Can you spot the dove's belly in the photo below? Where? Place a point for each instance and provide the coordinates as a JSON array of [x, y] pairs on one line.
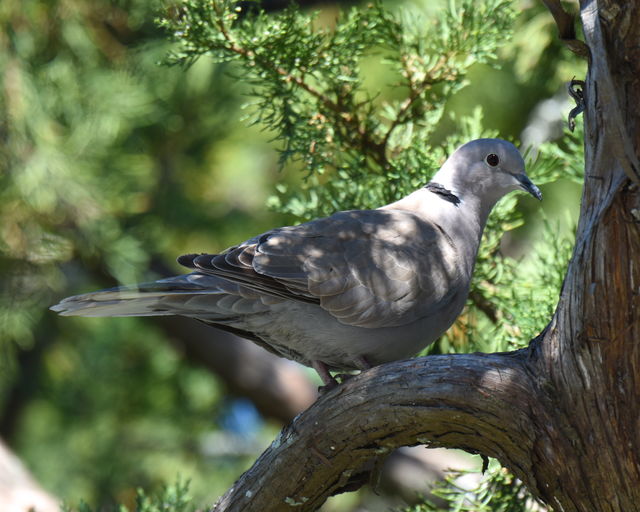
[[305, 332]]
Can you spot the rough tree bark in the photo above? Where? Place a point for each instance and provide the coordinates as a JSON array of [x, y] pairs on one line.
[[563, 414]]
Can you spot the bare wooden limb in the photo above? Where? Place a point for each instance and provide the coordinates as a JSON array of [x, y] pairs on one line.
[[566, 28], [478, 402]]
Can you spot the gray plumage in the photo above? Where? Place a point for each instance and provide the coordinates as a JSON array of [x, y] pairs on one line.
[[358, 288]]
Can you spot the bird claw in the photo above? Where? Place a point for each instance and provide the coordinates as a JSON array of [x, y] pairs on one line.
[[323, 390]]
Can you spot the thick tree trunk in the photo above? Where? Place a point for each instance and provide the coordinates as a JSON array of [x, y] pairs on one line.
[[564, 414]]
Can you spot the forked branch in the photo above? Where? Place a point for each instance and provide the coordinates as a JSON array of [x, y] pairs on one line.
[[479, 402]]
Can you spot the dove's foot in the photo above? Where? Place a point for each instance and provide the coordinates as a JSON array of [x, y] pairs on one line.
[[360, 363], [322, 390], [331, 381], [327, 379]]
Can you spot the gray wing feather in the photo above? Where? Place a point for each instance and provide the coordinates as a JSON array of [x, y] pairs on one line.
[[370, 268]]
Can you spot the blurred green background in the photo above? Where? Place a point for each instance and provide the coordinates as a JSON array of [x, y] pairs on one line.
[[111, 165]]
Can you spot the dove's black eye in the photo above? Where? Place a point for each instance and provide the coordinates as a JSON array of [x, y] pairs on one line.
[[492, 159]]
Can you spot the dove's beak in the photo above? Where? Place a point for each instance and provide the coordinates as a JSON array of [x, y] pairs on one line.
[[528, 185]]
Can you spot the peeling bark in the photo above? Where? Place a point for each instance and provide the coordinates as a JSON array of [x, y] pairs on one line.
[[563, 414]]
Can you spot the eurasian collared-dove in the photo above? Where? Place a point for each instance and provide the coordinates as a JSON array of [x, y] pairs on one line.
[[359, 288]]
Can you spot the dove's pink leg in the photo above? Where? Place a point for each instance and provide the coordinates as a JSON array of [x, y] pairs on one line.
[[328, 380], [323, 371], [361, 363]]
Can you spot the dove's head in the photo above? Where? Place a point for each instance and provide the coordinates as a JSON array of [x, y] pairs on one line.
[[486, 168]]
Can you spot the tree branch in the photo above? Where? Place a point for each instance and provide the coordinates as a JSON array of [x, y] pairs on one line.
[[479, 402], [438, 73], [345, 117], [561, 414], [566, 29]]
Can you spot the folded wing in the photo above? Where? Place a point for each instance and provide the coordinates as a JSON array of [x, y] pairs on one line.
[[369, 268]]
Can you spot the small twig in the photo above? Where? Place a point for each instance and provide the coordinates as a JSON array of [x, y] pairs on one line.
[[251, 55], [576, 91], [566, 28], [350, 120], [484, 305], [485, 463], [415, 92]]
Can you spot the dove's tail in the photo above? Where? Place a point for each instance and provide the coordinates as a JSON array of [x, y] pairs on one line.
[[169, 296]]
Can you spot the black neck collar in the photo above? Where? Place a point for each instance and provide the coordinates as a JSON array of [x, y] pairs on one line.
[[444, 193]]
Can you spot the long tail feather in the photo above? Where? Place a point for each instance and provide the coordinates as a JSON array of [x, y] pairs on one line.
[[146, 299]]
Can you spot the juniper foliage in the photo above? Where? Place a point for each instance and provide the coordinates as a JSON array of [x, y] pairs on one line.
[[497, 491], [309, 88], [171, 498]]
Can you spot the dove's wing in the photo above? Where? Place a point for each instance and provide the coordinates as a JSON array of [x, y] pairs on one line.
[[367, 268]]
